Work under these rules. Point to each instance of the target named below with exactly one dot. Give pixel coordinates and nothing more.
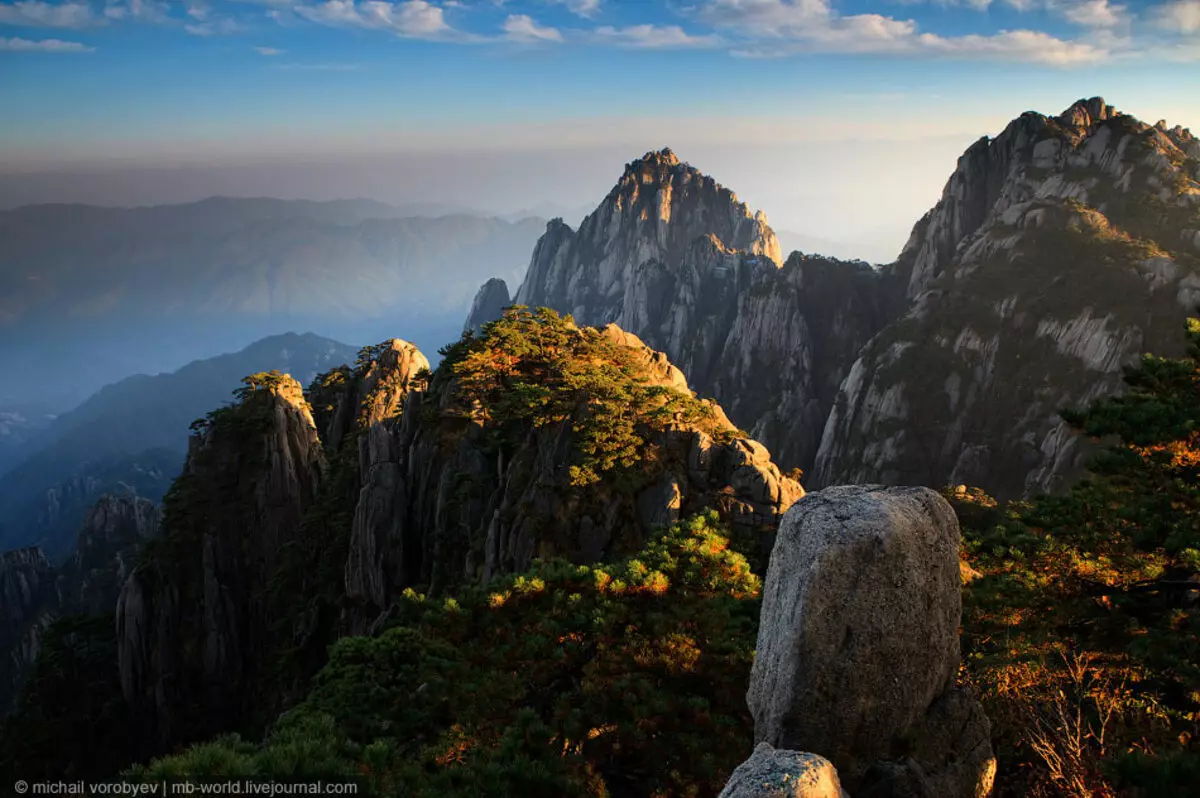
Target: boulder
(776, 773)
(858, 642)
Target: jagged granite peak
(488, 305)
(675, 258)
(1041, 158)
(657, 209)
(441, 505)
(1060, 251)
(191, 619)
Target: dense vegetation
(1083, 633)
(567, 680)
(531, 369)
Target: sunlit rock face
(1061, 250)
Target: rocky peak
(192, 618)
(652, 216)
(1060, 251)
(1091, 153)
(1084, 113)
(489, 304)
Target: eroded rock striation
(858, 644)
(1060, 251)
(192, 623)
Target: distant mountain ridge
(125, 434)
(202, 276)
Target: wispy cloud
(216, 27)
(775, 28)
(152, 11)
(43, 46)
(522, 28)
(410, 19)
(38, 14)
(581, 8)
(654, 37)
(269, 51)
(1181, 16)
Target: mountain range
(131, 437)
(152, 287)
(1060, 251)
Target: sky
(841, 119)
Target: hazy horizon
(841, 120)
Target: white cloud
(269, 51)
(1180, 16)
(196, 9)
(1021, 45)
(413, 19)
(215, 27)
(580, 8)
(43, 46)
(775, 28)
(38, 14)
(522, 28)
(654, 37)
(1092, 13)
(154, 11)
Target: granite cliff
(193, 624)
(35, 595)
(1059, 251)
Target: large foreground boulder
(858, 643)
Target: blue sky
(133, 84)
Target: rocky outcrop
(443, 504)
(377, 536)
(192, 621)
(25, 578)
(34, 595)
(26, 595)
(773, 773)
(858, 644)
(1054, 259)
(112, 534)
(488, 305)
(654, 215)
